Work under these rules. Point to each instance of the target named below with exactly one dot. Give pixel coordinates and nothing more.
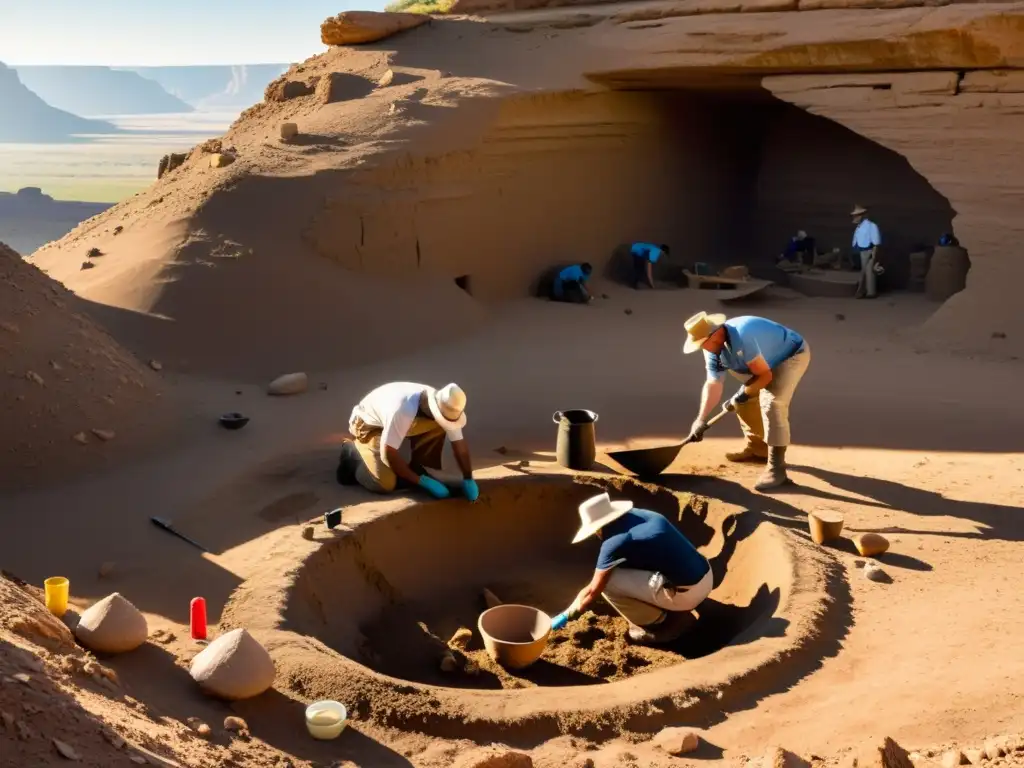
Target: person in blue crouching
(569, 284)
(647, 570)
(400, 412)
(645, 256)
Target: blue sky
(165, 32)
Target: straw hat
(448, 406)
(597, 512)
(699, 328)
(858, 210)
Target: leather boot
(669, 629)
(753, 452)
(775, 475)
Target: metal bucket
(576, 447)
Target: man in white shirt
(393, 413)
(866, 239)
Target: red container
(197, 618)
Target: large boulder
(354, 27)
(113, 625)
(234, 666)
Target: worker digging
(391, 414)
(645, 256)
(569, 285)
(647, 570)
(770, 359)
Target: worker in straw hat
(770, 359)
(398, 412)
(866, 239)
(646, 570)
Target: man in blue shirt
(645, 256)
(569, 284)
(646, 570)
(866, 239)
(770, 359)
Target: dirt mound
(72, 399)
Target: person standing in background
(866, 239)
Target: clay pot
(514, 635)
(825, 525)
(871, 544)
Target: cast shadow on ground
(995, 521)
(894, 559)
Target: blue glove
(559, 621)
(432, 486)
(738, 399)
(470, 488)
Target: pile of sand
(72, 400)
(113, 625)
(234, 666)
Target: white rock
(386, 79)
(65, 750)
(113, 625)
(234, 666)
(156, 365)
(289, 384)
(221, 159)
(80, 437)
(677, 741)
(289, 131)
(104, 434)
(875, 573)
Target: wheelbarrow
(650, 462)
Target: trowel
(159, 522)
(650, 462)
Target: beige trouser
(866, 284)
(765, 419)
(629, 592)
(425, 436)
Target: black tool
(159, 522)
(649, 462)
(332, 519)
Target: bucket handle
(556, 417)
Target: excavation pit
(366, 615)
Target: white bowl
(326, 719)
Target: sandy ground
(920, 446)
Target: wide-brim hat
(447, 406)
(596, 512)
(858, 210)
(699, 328)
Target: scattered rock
(677, 741)
(113, 738)
(113, 625)
(776, 757)
(888, 754)
(355, 27)
(308, 532)
(106, 569)
(138, 759)
(35, 377)
(628, 311)
(386, 79)
(582, 762)
(449, 663)
(289, 384)
(491, 599)
(93, 253)
(998, 335)
(993, 749)
(235, 724)
(494, 757)
(163, 636)
(87, 265)
(56, 366)
(284, 89)
(840, 316)
(156, 365)
(65, 750)
(118, 229)
(22, 678)
(234, 666)
(221, 159)
(973, 756)
(104, 434)
(169, 162)
(871, 544)
(858, 563)
(289, 131)
(461, 639)
(876, 573)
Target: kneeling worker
(569, 284)
(770, 359)
(647, 570)
(389, 415)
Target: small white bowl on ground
(326, 719)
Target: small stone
(106, 569)
(677, 741)
(221, 160)
(56, 366)
(289, 384)
(858, 563)
(112, 738)
(35, 377)
(386, 79)
(156, 365)
(163, 636)
(449, 663)
(628, 311)
(22, 678)
(871, 544)
(138, 759)
(952, 758)
(204, 731)
(840, 316)
(289, 131)
(461, 638)
(993, 749)
(104, 434)
(88, 265)
(308, 532)
(65, 750)
(974, 756)
(235, 724)
(874, 573)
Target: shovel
(649, 462)
(159, 522)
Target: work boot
(348, 463)
(775, 475)
(753, 452)
(669, 628)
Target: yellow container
(57, 589)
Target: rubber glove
(738, 399)
(697, 430)
(433, 487)
(471, 489)
(559, 621)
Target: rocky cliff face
(27, 118)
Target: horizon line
(152, 66)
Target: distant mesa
(25, 117)
(215, 87)
(91, 91)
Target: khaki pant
(866, 286)
(629, 592)
(765, 419)
(425, 436)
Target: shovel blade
(647, 462)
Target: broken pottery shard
(289, 384)
(677, 741)
(234, 666)
(113, 625)
(494, 757)
(289, 131)
(354, 27)
(871, 544)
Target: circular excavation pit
(366, 616)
